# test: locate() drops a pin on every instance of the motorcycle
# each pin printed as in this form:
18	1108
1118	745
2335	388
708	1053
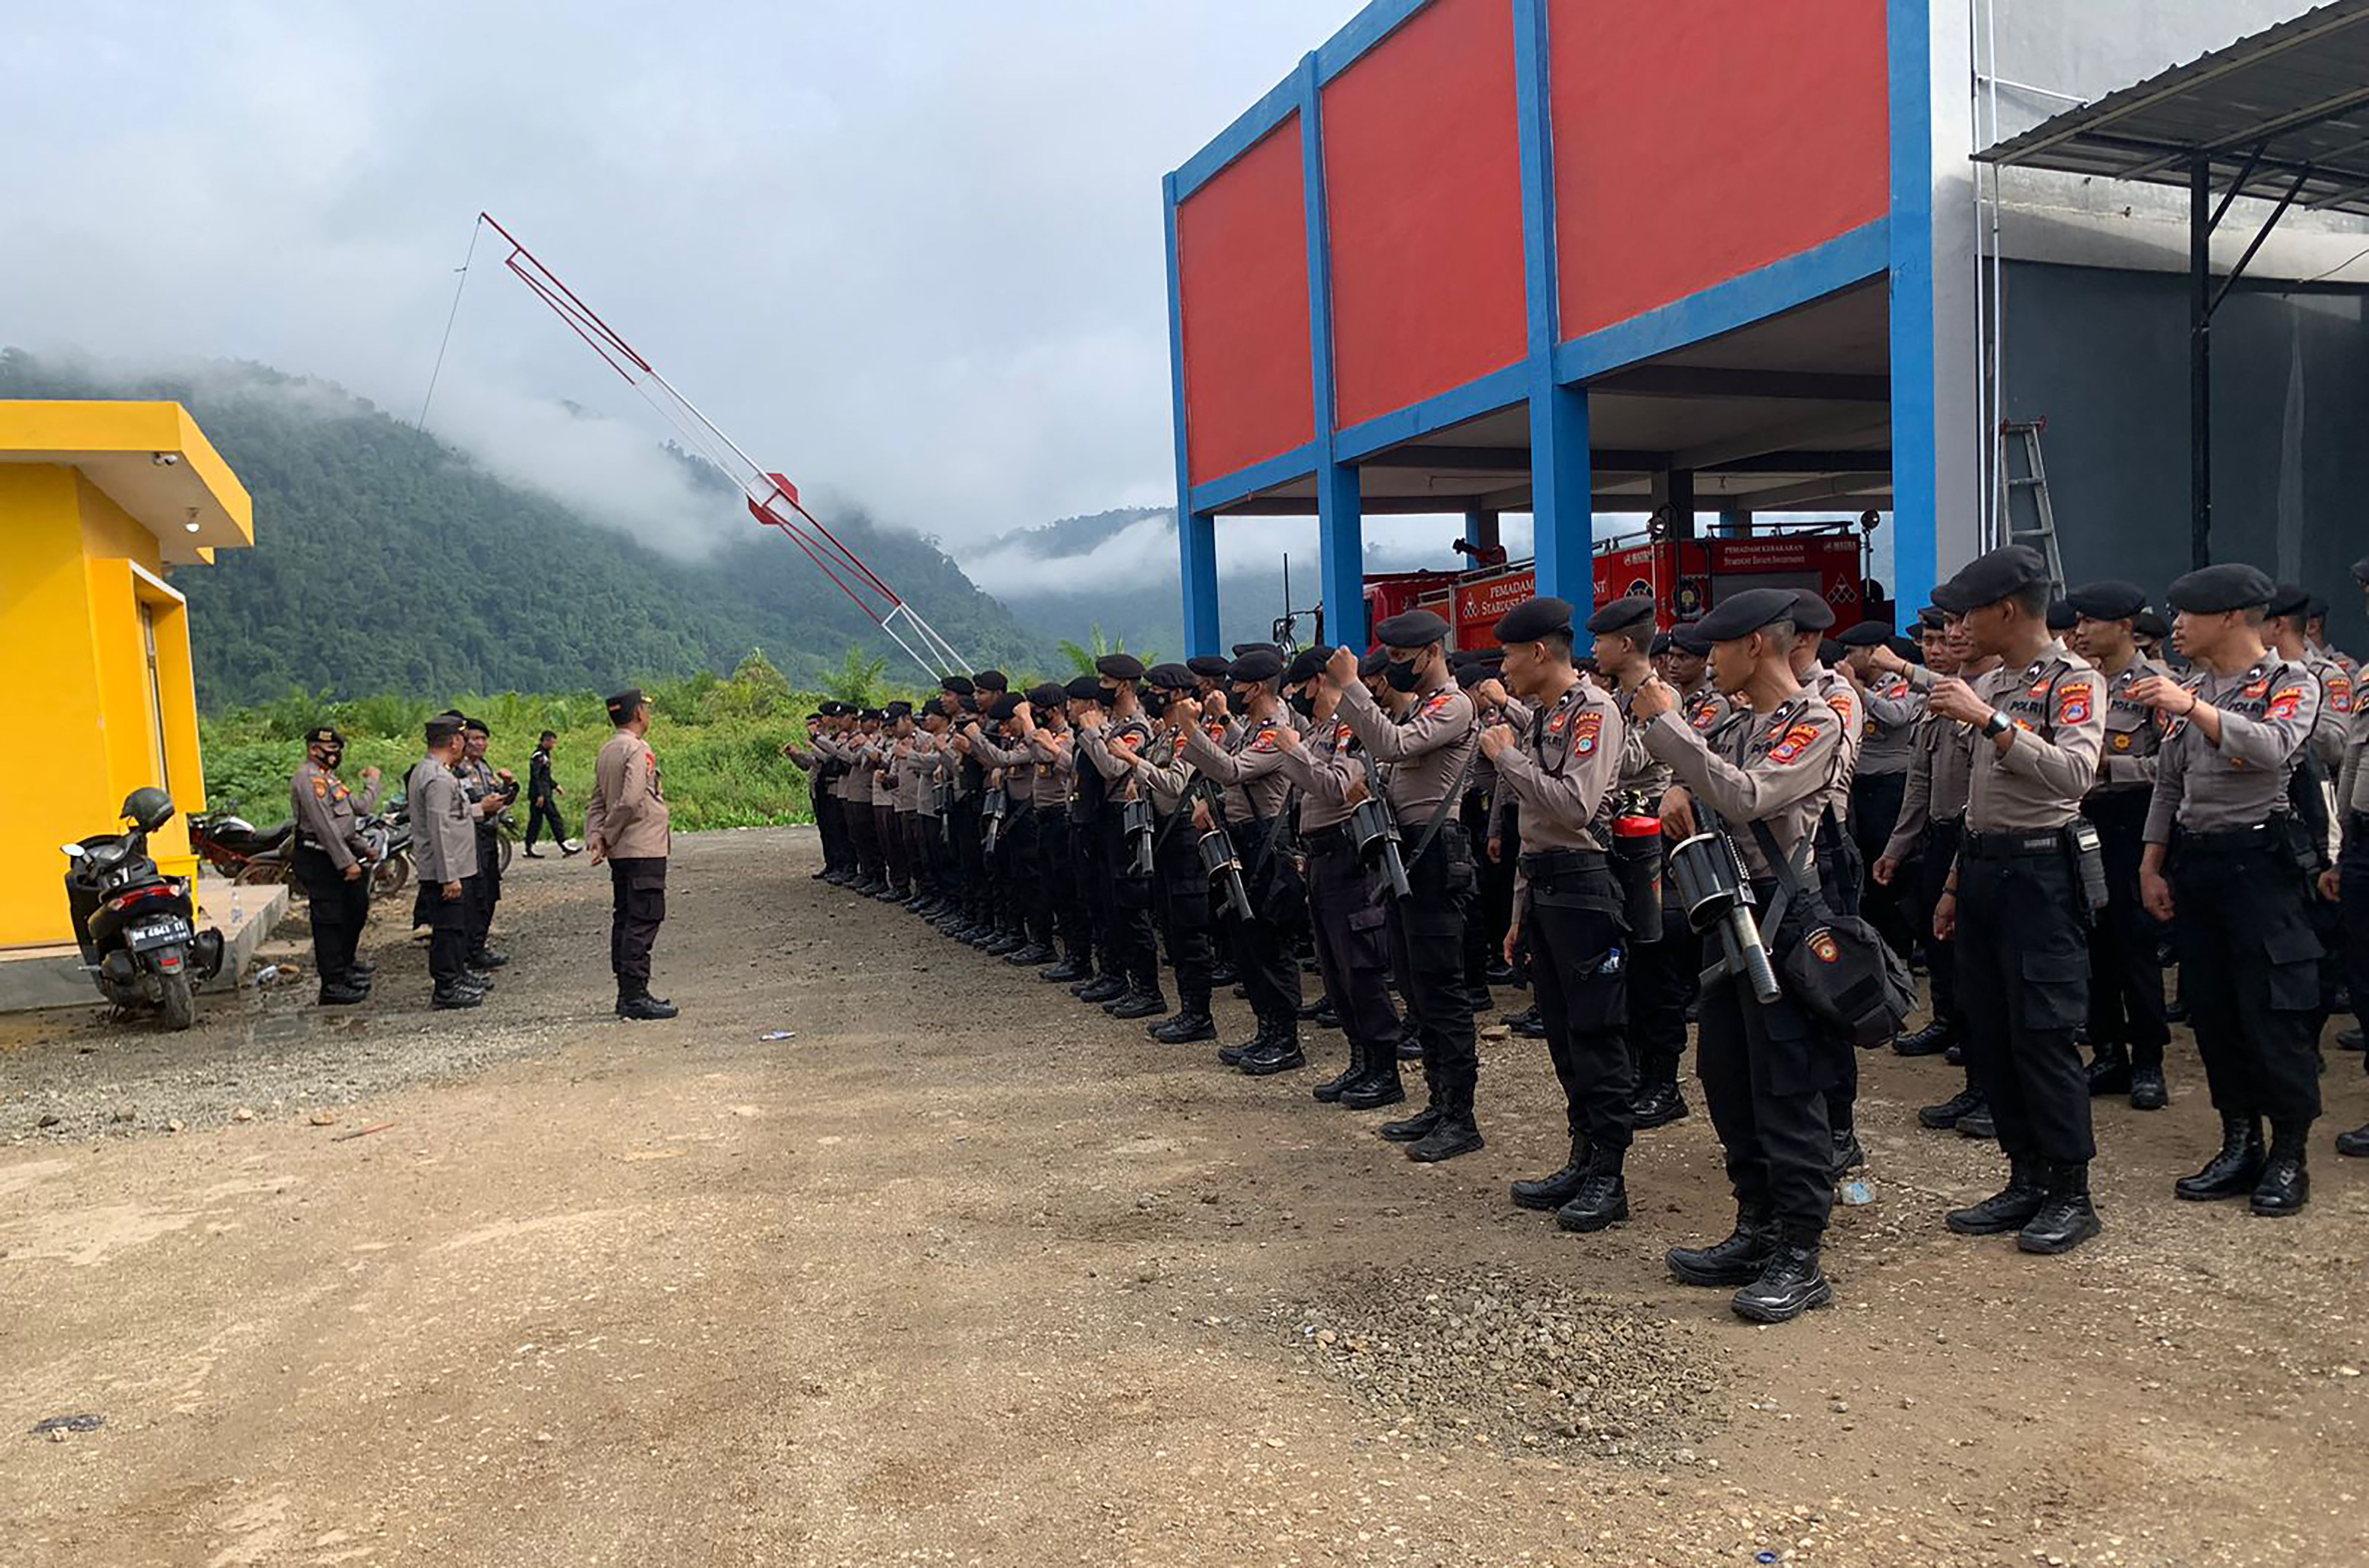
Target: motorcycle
388	834
230	843
137	928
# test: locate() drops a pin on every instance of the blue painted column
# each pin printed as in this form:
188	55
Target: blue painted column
1196	532
1915	490
1340	509
1562	482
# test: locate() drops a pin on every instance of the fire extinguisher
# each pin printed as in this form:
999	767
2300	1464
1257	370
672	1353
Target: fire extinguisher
1637	861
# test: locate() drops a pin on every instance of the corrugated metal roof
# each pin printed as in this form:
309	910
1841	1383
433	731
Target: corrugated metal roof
2290	101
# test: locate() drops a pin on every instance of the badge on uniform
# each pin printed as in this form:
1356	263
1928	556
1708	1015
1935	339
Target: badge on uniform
320	787
1821	944
1797	740
1705	718
2122	740
1585	734
1841	703
1439	700
2340	693
2288	703
2073	703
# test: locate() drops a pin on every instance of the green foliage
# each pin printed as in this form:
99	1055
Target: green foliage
386	561
1082	656
858	678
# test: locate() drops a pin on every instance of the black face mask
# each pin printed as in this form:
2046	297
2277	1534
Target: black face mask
1154	703
1303	704
1401	674
1239	702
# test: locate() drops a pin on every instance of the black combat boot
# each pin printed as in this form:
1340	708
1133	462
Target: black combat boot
1410	1046
646	1008
1978	1123
2232	1172
1555	1188
1188	1026
1790	1284
2285	1186
2010	1209
1103	988
1136	1003
1454	1133
2148	1090
1330	1090
1658	1104
1070	971
2066	1217
2110	1071
1947	1115
1410	1128
1279	1052
456	996
1847	1154
1029	955
1738	1260
1602	1198
1929	1041
1231	1056
1379	1086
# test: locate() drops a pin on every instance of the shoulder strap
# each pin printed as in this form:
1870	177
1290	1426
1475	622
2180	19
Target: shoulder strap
1446	802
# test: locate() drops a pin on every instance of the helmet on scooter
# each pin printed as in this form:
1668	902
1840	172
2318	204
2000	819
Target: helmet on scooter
148	808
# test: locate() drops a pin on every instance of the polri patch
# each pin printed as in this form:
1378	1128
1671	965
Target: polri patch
1585	734
1796	741
2073	703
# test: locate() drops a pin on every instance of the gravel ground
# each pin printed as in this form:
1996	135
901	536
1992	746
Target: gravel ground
965	1273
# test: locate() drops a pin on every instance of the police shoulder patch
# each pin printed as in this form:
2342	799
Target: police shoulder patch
1439	700
2339	692
1587	733
2072	703
320	787
1265	741
1796	741
2287	702
1706	716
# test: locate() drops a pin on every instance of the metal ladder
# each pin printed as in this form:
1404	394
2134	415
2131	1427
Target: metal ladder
2040	531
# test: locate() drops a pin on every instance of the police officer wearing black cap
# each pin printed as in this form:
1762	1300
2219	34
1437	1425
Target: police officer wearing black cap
2018	903
1180	884
1766	1066
625	823
1891	705
331	861
490	790
2349	882
1430	751
2127	1027
2219	852
1917	859
444	850
1563	765
1118	733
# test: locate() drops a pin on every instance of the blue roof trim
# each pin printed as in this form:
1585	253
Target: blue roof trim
1223	491
1498	389
1362	32
1252	126
1865	252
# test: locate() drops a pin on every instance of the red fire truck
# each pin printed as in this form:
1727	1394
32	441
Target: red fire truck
1684	577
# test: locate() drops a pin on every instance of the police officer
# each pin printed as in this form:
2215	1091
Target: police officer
1180	886
490	790
331	860
1765	1066
444	854
1562	765
2127	1028
1430	750
543	793
625	824
1924	846
2312	788
1891	705
2018	903
1119	733
2349	882
1099	976
2219	851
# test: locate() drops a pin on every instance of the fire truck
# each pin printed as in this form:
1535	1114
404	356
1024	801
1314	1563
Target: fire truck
1683	576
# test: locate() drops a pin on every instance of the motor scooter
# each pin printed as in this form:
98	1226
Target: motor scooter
137	927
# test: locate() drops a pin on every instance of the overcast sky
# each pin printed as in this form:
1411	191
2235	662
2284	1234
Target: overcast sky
912	255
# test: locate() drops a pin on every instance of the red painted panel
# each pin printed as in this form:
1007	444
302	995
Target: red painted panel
1424	201
1242	257
1697	142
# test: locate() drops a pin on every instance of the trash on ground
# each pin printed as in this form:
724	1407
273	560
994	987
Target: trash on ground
69	1424
358	1132
779	1035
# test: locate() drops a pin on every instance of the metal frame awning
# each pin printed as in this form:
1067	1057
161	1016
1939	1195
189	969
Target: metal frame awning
2281	115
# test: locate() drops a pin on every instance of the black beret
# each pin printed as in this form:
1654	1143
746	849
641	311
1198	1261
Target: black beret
441	730
1811	610
1411	628
1933	618
1120	666
2317	608
901	708
929	711
2147	623
1990	577
831	708
2112	599
1241	648
992	681
2211	590
1660	645
2290	600
1533	619
1209	664
2360	571
2062	617
1907	648
1620	615
1308	663
1687	637
1169	676
960	685
623	705
477	725
1472	674
457	716
1741	614
1866	633
1258	664
322	735
1004	706
1085	689
1048	694
1373	663
970	703
871	716
1830	651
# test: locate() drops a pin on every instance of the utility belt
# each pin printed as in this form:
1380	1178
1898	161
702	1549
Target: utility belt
1333	840
2252	839
1545	865
2076	841
2019	844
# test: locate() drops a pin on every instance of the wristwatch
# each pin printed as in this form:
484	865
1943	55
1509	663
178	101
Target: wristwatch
1995	726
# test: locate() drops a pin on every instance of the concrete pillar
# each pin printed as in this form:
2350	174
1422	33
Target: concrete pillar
1674	492
1196	550
1480	528
1341	556
1735	522
1562	492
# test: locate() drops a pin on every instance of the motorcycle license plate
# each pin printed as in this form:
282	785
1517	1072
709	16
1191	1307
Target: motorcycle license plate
159	934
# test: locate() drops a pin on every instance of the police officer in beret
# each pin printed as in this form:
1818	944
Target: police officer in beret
625	824
1181	887
1891	705
1917	859
2018	903
2220	852
1430	751
1766	1066
444	851
1562	762
2349	882
331	861
1119	733
2127	1027
490	791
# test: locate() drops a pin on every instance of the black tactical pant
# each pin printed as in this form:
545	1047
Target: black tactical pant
1875	811
447	921
541	813
484	890
826	826
1180	892
1352	951
1031	905
2249	972
1661	982
1064	905
1842	877
1134	946
637	909
863	842
1492	905
1579	957
970	859
1090	867
2352	885
341	908
1261	944
2023	978
2126	981
918	832
1767	1070
1927	876
1427	932
895	848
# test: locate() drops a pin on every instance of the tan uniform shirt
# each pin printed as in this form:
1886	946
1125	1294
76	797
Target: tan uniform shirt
2268	714
627	818
328	814
1842	697
1160	766
2056	706
1568	757
2335	708
444	838
2132	735
1323	769
1941	762
1054	755
1778	769
1426	751
1249	765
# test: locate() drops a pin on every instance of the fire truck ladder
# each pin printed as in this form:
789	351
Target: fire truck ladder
2039	532
773	500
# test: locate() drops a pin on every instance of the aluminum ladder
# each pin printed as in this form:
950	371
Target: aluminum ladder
2040	530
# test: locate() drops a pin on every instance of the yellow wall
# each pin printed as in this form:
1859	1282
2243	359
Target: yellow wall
70	632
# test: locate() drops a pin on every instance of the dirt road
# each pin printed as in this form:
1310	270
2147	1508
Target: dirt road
966	1273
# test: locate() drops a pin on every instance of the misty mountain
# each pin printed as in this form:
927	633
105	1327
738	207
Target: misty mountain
386	560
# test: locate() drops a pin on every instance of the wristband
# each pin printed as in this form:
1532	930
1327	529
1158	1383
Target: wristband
1995	726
